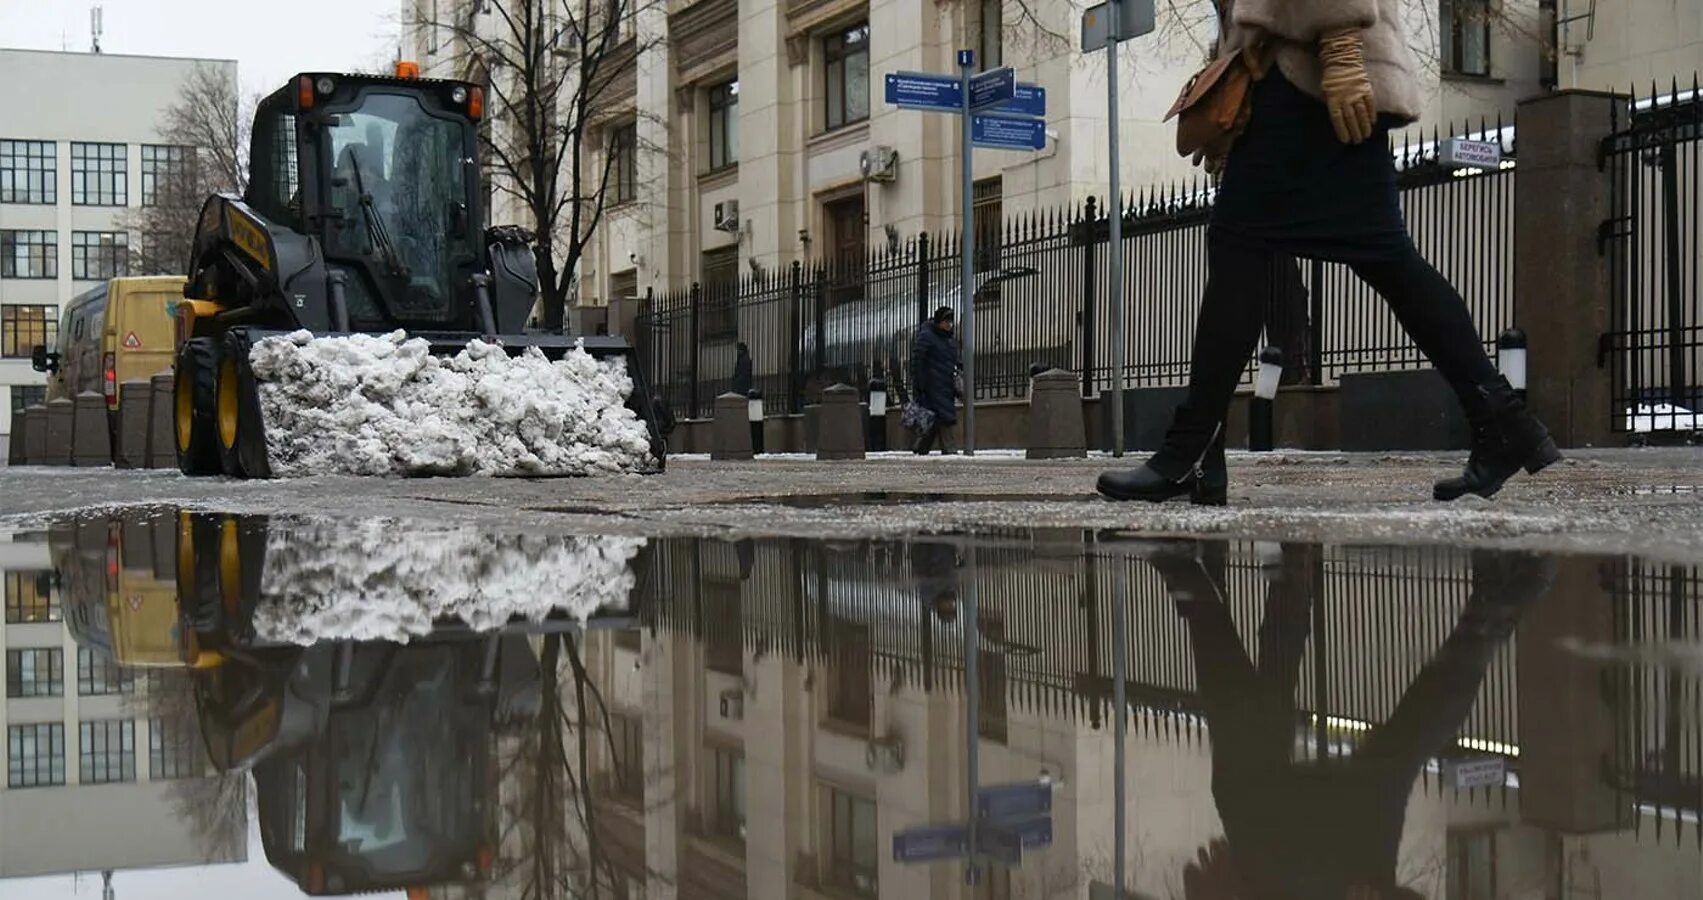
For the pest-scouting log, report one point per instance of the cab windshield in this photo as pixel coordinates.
(397, 196)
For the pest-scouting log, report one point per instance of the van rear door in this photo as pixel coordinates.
(139, 325)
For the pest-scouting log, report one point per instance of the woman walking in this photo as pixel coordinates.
(934, 379)
(1311, 175)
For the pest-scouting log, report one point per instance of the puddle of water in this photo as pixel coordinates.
(769, 718)
(903, 498)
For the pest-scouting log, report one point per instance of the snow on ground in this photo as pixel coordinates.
(384, 579)
(1645, 418)
(384, 405)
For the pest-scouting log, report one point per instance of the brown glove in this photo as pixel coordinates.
(1347, 87)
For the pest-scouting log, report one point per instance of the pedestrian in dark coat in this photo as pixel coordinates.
(934, 379)
(1311, 176)
(742, 371)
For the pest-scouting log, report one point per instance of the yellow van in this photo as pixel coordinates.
(113, 333)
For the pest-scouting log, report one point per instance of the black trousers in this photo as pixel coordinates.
(1241, 280)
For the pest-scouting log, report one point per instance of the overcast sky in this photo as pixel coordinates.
(270, 40)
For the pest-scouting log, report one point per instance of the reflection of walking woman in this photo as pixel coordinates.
(1311, 175)
(1327, 828)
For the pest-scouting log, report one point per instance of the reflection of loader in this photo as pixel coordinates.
(362, 214)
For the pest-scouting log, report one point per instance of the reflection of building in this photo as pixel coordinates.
(778, 757)
(95, 775)
(77, 149)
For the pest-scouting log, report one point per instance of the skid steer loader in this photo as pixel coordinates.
(363, 214)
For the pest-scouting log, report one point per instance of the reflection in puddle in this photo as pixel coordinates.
(578, 716)
(904, 498)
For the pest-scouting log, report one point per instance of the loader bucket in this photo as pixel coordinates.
(249, 456)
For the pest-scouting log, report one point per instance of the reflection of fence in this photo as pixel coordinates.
(1655, 341)
(1658, 757)
(1042, 299)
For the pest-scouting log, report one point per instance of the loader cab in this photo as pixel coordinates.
(383, 172)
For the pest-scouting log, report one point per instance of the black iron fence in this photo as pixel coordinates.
(1655, 345)
(1042, 299)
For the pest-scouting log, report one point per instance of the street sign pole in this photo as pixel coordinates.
(1115, 259)
(967, 247)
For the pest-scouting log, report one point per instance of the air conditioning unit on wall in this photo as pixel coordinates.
(733, 704)
(885, 755)
(880, 164)
(727, 216)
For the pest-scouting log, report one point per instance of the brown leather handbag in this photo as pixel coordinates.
(1210, 109)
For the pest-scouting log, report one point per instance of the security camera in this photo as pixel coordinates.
(635, 259)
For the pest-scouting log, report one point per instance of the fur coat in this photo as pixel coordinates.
(1291, 29)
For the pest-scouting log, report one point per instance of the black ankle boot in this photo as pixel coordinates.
(1505, 439)
(1191, 462)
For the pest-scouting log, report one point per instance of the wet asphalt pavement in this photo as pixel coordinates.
(887, 679)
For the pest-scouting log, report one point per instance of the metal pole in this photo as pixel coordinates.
(1115, 261)
(972, 706)
(966, 290)
(1120, 716)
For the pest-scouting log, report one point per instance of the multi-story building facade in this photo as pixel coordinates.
(746, 122)
(78, 147)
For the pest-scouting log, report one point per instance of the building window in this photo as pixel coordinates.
(724, 125)
(729, 805)
(623, 164)
(721, 295)
(29, 254)
(35, 755)
(29, 595)
(29, 172)
(990, 27)
(846, 222)
(1465, 27)
(988, 199)
(25, 396)
(174, 749)
(851, 841)
(98, 676)
(35, 673)
(106, 751)
(628, 737)
(99, 255)
(168, 174)
(23, 326)
(845, 55)
(851, 689)
(99, 175)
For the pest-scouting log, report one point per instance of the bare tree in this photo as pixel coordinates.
(558, 76)
(204, 134)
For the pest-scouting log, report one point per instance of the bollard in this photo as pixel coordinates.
(839, 424)
(35, 435)
(162, 442)
(754, 412)
(730, 433)
(132, 449)
(61, 416)
(1056, 429)
(15, 441)
(878, 414)
(1261, 416)
(91, 431)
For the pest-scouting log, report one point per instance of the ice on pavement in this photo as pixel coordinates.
(384, 405)
(381, 579)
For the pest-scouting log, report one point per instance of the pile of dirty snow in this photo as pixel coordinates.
(379, 579)
(384, 405)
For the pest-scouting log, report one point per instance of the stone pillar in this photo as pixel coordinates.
(1567, 729)
(60, 416)
(840, 424)
(91, 433)
(1562, 286)
(133, 402)
(35, 435)
(731, 430)
(18, 437)
(1056, 429)
(162, 439)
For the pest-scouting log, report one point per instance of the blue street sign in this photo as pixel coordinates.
(1026, 100)
(992, 88)
(966, 57)
(1011, 801)
(999, 843)
(1008, 133)
(1036, 831)
(931, 842)
(922, 90)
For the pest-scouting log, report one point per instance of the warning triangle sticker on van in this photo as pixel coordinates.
(132, 342)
